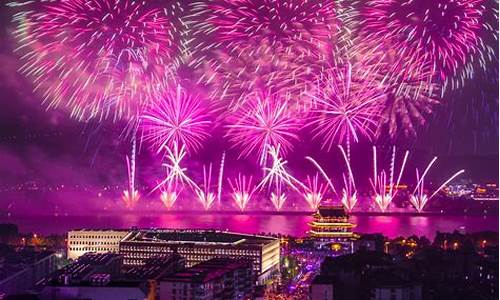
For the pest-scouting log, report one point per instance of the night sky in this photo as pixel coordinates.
(50, 148)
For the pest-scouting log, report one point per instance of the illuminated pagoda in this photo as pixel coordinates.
(331, 228)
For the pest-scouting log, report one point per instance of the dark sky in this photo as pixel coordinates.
(47, 146)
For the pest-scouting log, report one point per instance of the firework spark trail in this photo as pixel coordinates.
(170, 193)
(278, 200)
(169, 198)
(205, 196)
(99, 58)
(131, 195)
(447, 181)
(419, 198)
(278, 177)
(380, 182)
(175, 173)
(346, 106)
(264, 122)
(242, 191)
(325, 176)
(221, 174)
(349, 192)
(315, 191)
(277, 173)
(419, 182)
(178, 117)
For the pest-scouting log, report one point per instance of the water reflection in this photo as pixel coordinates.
(292, 224)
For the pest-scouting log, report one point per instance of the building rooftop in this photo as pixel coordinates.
(356, 261)
(82, 267)
(155, 267)
(100, 230)
(91, 258)
(208, 270)
(197, 237)
(332, 211)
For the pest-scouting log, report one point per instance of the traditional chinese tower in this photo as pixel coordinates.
(330, 228)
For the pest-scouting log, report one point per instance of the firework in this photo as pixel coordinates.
(233, 79)
(175, 173)
(349, 192)
(242, 191)
(323, 173)
(277, 177)
(99, 58)
(221, 174)
(419, 198)
(278, 200)
(383, 184)
(177, 118)
(168, 198)
(263, 123)
(445, 35)
(277, 174)
(315, 191)
(304, 25)
(205, 195)
(346, 106)
(131, 195)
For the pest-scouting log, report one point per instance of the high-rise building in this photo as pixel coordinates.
(201, 245)
(218, 278)
(98, 241)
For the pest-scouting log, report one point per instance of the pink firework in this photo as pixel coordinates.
(315, 191)
(178, 117)
(263, 122)
(443, 34)
(409, 93)
(345, 106)
(278, 199)
(304, 25)
(99, 58)
(205, 195)
(349, 192)
(233, 78)
(383, 183)
(131, 195)
(419, 198)
(242, 190)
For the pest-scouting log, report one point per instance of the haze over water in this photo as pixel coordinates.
(291, 224)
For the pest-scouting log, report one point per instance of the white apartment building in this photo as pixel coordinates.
(100, 241)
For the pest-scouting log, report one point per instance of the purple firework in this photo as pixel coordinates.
(445, 35)
(99, 58)
(177, 118)
(345, 106)
(305, 25)
(263, 122)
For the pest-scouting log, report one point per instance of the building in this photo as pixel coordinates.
(98, 241)
(371, 242)
(321, 288)
(153, 269)
(97, 287)
(388, 285)
(21, 270)
(330, 228)
(84, 267)
(202, 245)
(218, 278)
(92, 276)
